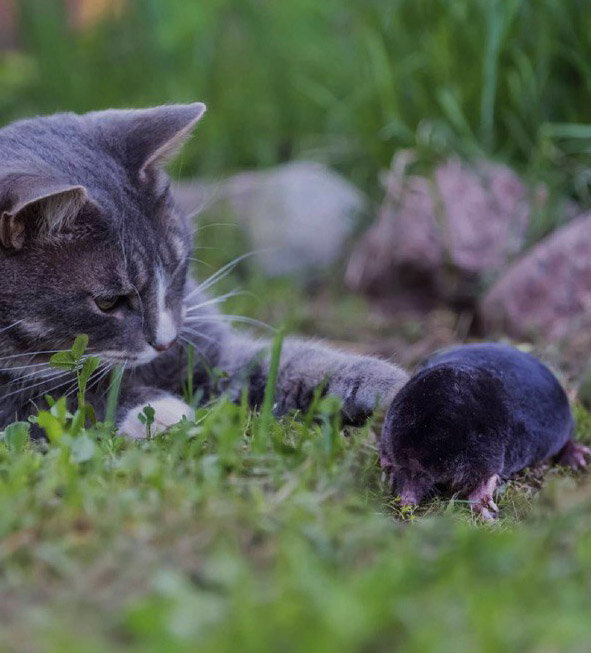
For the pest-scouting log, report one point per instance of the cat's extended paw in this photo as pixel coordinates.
(363, 385)
(167, 412)
(371, 385)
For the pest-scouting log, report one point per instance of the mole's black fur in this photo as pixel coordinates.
(470, 415)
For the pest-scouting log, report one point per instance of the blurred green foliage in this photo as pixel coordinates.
(213, 538)
(349, 83)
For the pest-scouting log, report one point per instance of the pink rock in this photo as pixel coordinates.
(464, 223)
(548, 292)
(8, 21)
(487, 213)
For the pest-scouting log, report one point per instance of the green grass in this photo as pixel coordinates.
(210, 539)
(349, 83)
(238, 531)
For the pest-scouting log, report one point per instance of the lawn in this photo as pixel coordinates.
(237, 531)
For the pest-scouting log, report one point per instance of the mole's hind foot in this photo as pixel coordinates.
(574, 455)
(481, 499)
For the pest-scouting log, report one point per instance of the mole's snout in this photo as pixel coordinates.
(411, 489)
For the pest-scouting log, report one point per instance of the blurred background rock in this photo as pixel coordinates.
(424, 146)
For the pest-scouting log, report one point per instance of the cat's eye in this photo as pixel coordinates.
(107, 304)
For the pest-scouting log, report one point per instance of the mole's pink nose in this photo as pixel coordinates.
(163, 346)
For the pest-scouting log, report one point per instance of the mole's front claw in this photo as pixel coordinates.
(574, 455)
(481, 500)
(486, 508)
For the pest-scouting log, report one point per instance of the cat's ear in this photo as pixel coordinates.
(150, 137)
(36, 205)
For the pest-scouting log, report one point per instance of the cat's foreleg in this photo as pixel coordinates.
(363, 383)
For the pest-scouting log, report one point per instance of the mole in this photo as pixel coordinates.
(470, 416)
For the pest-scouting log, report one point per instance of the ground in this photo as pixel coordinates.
(238, 531)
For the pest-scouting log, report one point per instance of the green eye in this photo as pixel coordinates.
(107, 304)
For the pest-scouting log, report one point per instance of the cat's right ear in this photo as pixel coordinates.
(147, 139)
(37, 206)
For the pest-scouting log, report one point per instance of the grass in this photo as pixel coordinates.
(349, 84)
(236, 530)
(213, 537)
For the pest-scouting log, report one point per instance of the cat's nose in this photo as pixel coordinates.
(165, 331)
(162, 346)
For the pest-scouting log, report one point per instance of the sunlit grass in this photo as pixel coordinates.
(208, 536)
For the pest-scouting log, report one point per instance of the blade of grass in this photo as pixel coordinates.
(113, 396)
(266, 416)
(189, 387)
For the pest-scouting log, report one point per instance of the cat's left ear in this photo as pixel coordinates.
(149, 137)
(38, 206)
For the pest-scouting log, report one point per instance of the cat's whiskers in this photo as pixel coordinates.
(11, 326)
(223, 272)
(187, 330)
(195, 334)
(206, 202)
(25, 390)
(45, 367)
(198, 260)
(22, 367)
(211, 225)
(70, 389)
(73, 388)
(224, 318)
(109, 385)
(40, 377)
(192, 343)
(38, 374)
(215, 300)
(102, 371)
(33, 354)
(140, 302)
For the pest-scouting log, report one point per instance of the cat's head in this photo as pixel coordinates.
(90, 241)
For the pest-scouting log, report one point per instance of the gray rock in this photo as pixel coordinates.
(547, 293)
(444, 234)
(299, 215)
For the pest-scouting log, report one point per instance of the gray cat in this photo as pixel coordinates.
(91, 242)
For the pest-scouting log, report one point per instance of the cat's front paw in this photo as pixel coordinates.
(364, 385)
(370, 385)
(167, 412)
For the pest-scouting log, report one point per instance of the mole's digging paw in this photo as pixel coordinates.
(481, 500)
(574, 455)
